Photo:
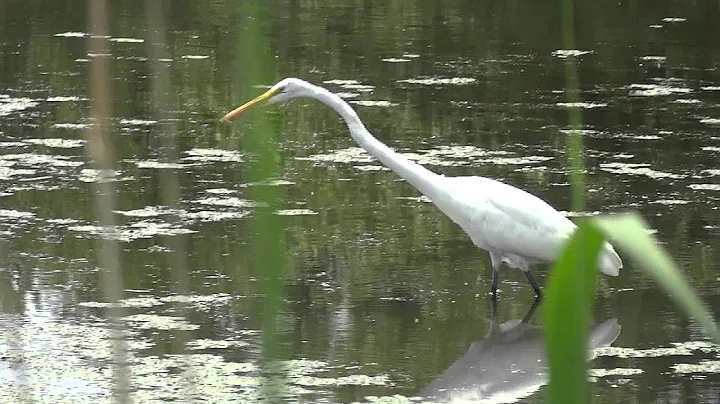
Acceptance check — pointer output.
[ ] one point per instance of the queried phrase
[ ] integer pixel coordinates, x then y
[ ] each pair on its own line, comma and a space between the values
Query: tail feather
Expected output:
609, 261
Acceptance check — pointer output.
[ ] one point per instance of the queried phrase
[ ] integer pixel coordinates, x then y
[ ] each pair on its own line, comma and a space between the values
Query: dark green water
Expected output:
381, 292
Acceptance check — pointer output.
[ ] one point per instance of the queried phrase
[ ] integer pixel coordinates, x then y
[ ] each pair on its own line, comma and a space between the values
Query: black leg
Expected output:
493, 307
494, 280
530, 312
533, 282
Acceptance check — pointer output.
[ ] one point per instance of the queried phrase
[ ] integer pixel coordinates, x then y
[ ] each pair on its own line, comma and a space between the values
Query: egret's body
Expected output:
514, 226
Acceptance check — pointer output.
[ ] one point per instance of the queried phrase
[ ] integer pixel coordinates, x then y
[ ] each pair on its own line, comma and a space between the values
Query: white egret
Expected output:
514, 226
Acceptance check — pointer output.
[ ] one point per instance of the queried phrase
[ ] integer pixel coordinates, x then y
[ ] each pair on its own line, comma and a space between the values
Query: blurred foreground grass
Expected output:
571, 283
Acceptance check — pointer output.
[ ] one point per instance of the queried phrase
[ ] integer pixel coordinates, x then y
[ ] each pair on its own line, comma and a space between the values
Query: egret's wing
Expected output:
536, 230
524, 225
499, 217
507, 219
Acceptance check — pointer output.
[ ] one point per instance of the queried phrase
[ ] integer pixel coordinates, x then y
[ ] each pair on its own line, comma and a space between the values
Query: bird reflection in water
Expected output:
507, 365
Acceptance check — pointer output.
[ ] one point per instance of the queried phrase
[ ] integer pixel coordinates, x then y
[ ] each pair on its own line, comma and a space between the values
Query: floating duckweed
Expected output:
341, 82
133, 231
371, 167
204, 303
130, 302
160, 164
653, 90
9, 105
363, 88
35, 159
71, 34
213, 155
71, 98
58, 143
579, 214
621, 352
127, 40
704, 346
656, 59
270, 183
220, 191
434, 81
347, 95
295, 212
94, 175
673, 19
368, 103
154, 321
614, 372
518, 160
11, 144
582, 132
442, 156
71, 125
15, 214
230, 201
637, 169
702, 367
670, 202
584, 105
148, 211
354, 380
705, 187
214, 216
421, 198
199, 301
710, 121
200, 344
137, 122
349, 155
687, 101
566, 53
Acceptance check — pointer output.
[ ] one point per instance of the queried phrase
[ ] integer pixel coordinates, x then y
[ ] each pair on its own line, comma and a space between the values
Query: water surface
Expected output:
382, 293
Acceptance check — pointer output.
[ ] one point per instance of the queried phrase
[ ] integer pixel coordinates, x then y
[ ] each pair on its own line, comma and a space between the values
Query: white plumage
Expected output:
514, 226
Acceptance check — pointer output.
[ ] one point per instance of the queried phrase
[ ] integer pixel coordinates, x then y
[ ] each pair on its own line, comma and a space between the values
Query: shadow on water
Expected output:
508, 364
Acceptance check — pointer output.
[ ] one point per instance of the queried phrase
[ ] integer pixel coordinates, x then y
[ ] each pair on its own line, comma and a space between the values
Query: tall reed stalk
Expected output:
255, 65
100, 149
162, 101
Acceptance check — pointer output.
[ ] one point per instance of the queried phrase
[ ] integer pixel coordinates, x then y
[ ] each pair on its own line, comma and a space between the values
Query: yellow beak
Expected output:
239, 110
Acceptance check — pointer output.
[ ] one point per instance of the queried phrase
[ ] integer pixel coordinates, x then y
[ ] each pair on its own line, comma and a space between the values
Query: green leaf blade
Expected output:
629, 233
567, 315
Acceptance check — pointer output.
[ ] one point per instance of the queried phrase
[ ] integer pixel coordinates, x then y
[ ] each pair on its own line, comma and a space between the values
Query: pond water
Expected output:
383, 297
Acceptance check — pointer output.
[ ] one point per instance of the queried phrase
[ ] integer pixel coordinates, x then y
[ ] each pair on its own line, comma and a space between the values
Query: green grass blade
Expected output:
255, 65
628, 232
567, 315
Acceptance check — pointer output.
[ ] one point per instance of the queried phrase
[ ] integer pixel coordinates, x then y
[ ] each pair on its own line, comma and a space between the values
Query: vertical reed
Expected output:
100, 149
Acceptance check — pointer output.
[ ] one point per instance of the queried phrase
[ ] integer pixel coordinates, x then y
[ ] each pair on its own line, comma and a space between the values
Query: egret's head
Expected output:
284, 90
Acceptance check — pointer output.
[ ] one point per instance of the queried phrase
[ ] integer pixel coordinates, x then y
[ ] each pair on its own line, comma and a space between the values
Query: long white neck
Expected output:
420, 177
